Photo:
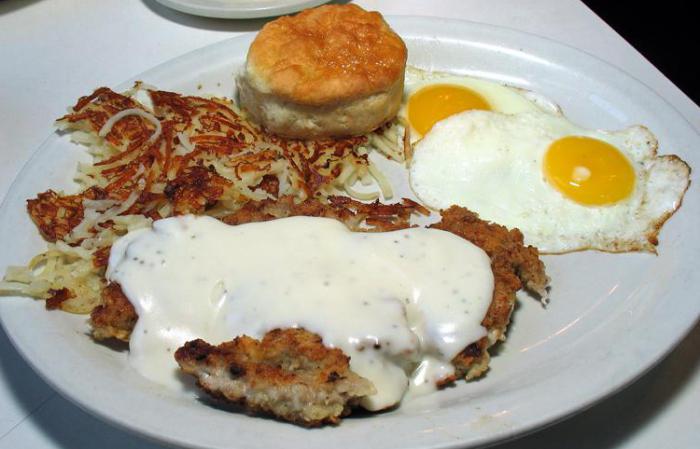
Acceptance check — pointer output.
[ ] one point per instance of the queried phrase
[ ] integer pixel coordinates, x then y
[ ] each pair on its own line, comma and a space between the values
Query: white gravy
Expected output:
401, 304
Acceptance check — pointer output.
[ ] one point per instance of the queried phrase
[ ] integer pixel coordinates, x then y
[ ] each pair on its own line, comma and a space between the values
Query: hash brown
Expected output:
170, 154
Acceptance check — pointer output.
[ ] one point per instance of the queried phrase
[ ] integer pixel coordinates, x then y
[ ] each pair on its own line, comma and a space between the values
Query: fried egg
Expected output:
565, 187
433, 96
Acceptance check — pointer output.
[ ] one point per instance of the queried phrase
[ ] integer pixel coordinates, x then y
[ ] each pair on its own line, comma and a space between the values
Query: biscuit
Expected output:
332, 71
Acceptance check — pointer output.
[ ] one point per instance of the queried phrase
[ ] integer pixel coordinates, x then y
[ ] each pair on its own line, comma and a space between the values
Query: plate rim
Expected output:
503, 436
231, 12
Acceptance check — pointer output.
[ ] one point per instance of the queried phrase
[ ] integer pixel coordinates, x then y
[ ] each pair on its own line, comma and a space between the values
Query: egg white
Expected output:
501, 98
492, 162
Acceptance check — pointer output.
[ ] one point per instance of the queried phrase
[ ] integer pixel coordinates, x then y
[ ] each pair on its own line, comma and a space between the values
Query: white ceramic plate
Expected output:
611, 317
240, 9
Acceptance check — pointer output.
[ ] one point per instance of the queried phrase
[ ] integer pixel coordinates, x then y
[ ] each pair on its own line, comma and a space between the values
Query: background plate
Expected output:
611, 317
240, 9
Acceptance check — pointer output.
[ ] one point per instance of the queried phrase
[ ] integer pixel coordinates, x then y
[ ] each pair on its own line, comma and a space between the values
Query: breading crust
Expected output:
115, 317
514, 265
289, 374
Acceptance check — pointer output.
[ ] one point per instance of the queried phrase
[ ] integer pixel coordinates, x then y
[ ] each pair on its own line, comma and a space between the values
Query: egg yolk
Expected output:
433, 103
588, 171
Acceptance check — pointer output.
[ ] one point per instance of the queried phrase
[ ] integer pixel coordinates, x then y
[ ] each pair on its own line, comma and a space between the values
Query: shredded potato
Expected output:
157, 154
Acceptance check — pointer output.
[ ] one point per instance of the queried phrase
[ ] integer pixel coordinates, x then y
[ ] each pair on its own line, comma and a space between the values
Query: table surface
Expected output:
72, 44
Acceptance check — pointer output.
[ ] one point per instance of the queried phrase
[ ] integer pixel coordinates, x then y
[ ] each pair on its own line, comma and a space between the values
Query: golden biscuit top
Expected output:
326, 55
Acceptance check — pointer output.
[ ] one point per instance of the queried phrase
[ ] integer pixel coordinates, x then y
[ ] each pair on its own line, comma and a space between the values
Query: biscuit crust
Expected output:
326, 55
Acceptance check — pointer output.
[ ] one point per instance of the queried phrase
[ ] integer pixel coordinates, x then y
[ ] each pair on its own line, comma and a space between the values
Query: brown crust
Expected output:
195, 190
514, 266
327, 55
115, 317
56, 215
58, 297
357, 216
289, 374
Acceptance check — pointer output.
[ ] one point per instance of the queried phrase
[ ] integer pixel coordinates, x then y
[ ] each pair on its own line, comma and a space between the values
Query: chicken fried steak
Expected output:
514, 266
289, 374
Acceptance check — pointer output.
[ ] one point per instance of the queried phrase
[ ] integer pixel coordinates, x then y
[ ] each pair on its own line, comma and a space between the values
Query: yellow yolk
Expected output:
588, 171
433, 103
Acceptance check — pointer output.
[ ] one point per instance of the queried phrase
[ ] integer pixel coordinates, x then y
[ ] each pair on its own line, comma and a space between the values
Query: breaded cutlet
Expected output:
514, 266
289, 374
116, 317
